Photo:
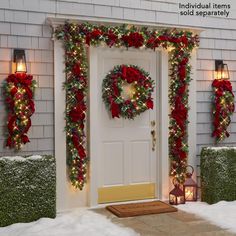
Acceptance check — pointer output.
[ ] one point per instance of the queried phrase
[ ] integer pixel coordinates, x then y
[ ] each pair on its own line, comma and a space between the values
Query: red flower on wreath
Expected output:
149, 104
115, 110
130, 74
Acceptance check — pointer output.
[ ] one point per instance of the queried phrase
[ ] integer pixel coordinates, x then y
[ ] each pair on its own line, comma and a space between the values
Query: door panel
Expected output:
140, 168
122, 147
113, 160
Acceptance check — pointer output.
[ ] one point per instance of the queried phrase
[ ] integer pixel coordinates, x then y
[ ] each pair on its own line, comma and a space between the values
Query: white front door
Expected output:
123, 161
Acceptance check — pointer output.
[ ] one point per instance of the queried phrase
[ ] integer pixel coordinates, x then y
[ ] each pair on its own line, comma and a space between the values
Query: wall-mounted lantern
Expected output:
221, 70
20, 61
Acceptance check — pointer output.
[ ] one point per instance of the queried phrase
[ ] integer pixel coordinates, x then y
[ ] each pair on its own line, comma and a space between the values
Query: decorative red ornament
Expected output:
18, 90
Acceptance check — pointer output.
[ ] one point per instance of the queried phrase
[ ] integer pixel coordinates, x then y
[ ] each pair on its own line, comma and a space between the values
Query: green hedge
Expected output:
218, 174
27, 189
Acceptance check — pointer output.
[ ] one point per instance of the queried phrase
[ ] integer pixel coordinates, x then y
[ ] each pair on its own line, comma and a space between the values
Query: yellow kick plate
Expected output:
126, 193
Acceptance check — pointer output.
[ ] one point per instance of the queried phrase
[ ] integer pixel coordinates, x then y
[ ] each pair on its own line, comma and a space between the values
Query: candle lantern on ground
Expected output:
176, 195
190, 186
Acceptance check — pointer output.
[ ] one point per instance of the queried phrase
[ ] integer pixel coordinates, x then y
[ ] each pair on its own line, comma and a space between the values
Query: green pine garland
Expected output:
76, 36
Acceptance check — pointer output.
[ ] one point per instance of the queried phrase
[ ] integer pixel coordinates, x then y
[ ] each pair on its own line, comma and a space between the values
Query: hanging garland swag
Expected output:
223, 108
139, 88
75, 37
19, 91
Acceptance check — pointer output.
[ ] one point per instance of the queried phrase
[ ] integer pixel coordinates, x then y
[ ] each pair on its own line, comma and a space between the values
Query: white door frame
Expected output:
94, 135
67, 197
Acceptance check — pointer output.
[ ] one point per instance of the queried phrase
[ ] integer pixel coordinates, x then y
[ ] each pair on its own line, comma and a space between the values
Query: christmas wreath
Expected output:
19, 91
223, 108
126, 91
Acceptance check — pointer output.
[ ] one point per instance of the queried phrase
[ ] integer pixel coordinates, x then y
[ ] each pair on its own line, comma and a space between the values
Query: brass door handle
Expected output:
154, 139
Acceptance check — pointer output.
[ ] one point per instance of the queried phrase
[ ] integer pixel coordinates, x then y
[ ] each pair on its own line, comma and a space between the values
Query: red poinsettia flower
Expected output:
116, 90
182, 89
216, 83
184, 39
149, 103
115, 110
79, 95
130, 74
182, 155
184, 61
112, 38
182, 72
153, 42
76, 69
96, 33
25, 139
76, 114
134, 39
13, 91
227, 85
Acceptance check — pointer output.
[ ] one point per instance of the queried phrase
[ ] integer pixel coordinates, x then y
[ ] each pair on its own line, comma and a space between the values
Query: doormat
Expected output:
143, 208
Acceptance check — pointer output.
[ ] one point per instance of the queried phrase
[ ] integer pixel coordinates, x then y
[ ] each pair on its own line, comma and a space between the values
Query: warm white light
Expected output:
128, 91
189, 193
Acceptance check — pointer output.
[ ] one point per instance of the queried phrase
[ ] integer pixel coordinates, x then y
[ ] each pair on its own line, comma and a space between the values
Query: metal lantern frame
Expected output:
221, 70
190, 187
19, 59
176, 195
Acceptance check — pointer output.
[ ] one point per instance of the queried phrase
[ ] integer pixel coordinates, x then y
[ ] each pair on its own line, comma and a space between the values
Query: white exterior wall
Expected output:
22, 25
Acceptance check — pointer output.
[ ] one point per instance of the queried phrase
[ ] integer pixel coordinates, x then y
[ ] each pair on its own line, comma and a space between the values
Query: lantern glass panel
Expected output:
173, 199
224, 72
180, 200
190, 193
20, 61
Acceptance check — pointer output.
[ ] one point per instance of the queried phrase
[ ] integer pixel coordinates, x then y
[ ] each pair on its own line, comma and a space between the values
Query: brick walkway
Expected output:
176, 224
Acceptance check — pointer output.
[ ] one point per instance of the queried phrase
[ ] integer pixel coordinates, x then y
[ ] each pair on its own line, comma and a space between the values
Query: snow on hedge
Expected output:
27, 188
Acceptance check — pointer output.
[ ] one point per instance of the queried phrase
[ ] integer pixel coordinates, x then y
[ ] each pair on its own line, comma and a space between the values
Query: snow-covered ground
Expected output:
78, 222
222, 213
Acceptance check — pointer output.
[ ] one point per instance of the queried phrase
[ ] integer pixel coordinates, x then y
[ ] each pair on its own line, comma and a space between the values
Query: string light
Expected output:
77, 37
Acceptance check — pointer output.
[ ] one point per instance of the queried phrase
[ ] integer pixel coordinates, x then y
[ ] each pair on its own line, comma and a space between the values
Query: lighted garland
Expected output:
76, 36
223, 108
19, 91
140, 86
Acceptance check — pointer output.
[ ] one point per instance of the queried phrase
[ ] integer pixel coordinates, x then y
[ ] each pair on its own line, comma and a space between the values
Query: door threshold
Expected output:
103, 205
